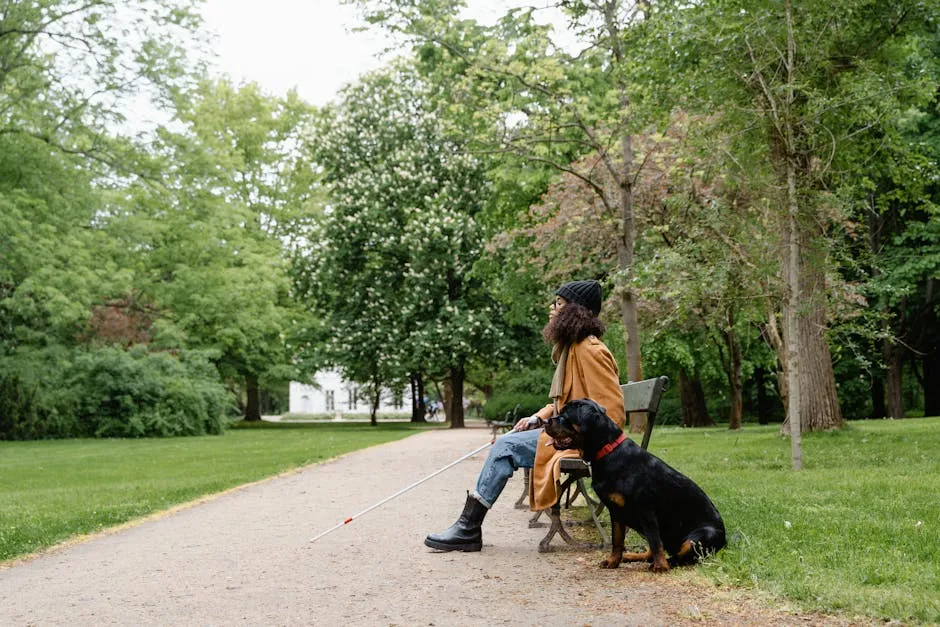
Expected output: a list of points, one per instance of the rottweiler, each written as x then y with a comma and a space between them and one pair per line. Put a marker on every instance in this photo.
640, 490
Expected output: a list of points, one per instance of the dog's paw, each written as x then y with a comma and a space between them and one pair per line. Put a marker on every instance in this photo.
610, 563
659, 567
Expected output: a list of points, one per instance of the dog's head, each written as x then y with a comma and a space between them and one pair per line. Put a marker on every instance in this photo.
581, 425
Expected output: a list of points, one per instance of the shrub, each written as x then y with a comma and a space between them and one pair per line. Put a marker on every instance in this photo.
528, 390
135, 393
110, 392
19, 411
26, 413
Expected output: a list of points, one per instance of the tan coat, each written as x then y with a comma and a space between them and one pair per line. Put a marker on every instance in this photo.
591, 372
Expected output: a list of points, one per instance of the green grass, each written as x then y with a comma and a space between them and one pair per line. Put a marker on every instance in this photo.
857, 530
55, 489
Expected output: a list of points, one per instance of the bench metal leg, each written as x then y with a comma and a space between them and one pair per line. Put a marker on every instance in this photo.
596, 509
556, 528
562, 491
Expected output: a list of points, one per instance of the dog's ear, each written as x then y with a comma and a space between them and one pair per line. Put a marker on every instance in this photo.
589, 413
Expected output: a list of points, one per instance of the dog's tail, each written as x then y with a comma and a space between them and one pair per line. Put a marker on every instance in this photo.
702, 542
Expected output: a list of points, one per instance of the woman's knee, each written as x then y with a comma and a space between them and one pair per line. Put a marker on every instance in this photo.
516, 448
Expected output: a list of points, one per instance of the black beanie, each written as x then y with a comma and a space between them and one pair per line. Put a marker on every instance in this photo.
585, 293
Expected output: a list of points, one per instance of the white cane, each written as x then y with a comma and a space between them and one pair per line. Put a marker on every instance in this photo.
402, 491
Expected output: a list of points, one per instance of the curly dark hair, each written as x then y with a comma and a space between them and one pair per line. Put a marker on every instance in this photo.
571, 324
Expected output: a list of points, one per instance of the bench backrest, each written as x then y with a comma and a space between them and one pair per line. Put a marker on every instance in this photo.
644, 396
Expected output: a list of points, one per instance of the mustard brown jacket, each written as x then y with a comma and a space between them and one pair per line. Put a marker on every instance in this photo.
591, 372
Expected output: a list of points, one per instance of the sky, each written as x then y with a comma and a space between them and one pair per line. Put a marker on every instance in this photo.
307, 44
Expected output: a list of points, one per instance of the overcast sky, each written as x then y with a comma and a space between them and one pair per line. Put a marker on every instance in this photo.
308, 44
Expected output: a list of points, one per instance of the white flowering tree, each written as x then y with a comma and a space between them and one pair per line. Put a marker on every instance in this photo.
388, 270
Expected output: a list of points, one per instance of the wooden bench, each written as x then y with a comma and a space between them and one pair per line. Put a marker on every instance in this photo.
640, 396
504, 424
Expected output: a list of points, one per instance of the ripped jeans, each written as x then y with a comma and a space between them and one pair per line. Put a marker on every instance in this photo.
510, 452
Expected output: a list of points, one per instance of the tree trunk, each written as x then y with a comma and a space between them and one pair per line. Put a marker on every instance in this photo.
736, 415
813, 403
374, 401
253, 401
628, 309
692, 397
809, 359
418, 408
931, 383
878, 409
454, 400
626, 241
791, 257
894, 367
763, 403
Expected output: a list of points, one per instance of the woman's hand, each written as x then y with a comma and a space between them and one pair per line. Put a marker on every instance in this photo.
524, 424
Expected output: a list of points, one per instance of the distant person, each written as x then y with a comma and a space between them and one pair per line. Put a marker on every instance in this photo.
584, 368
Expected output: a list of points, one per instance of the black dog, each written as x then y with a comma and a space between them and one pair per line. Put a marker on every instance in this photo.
640, 490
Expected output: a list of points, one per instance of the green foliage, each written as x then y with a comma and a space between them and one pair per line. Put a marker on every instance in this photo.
68, 68
388, 271
519, 393
19, 411
116, 393
110, 392
53, 490
49, 272
425, 210
208, 254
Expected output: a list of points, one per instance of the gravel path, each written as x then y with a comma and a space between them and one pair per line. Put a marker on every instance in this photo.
245, 558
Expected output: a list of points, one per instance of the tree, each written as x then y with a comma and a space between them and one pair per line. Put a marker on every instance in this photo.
899, 203
389, 270
207, 245
67, 70
548, 106
808, 81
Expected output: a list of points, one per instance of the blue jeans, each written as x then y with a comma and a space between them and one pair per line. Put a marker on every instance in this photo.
510, 452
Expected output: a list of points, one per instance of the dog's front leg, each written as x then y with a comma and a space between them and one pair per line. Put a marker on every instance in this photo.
649, 529
660, 563
617, 533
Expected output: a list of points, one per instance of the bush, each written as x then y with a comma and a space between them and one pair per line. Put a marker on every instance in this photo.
110, 392
26, 413
19, 412
670, 409
117, 393
528, 390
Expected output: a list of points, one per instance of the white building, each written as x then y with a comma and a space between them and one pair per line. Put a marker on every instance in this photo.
332, 394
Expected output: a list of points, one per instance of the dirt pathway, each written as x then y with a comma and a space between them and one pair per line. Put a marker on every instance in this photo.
245, 557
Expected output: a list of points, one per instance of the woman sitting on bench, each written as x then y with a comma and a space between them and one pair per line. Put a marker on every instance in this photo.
584, 368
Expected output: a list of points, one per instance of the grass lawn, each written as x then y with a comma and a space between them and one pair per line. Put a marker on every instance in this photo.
858, 529
52, 490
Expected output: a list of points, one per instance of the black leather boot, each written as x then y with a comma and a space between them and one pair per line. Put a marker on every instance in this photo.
465, 534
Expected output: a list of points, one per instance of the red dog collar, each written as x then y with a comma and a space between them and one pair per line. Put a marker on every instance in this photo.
610, 447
